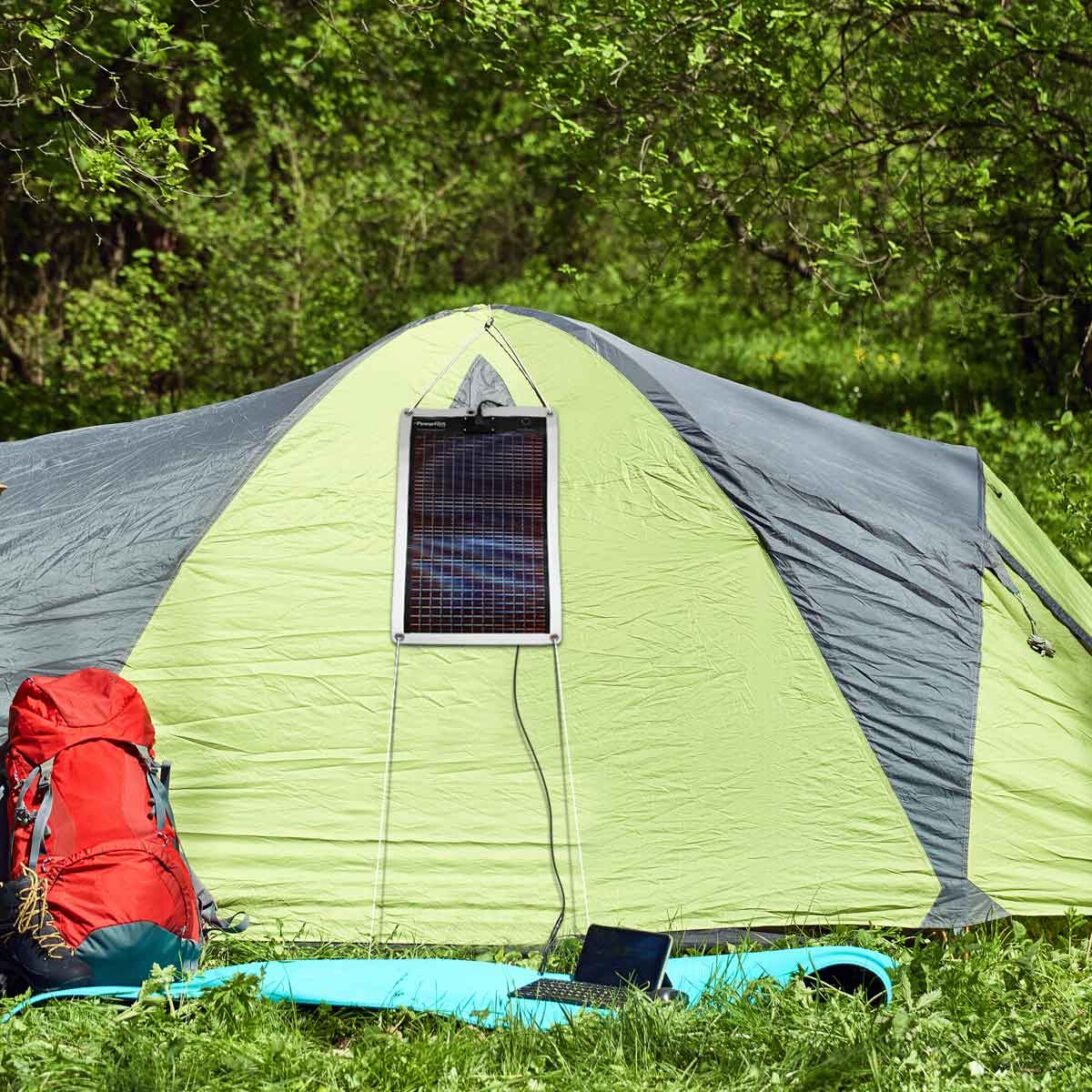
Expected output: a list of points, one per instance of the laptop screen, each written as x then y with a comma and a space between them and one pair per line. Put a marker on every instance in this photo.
621, 957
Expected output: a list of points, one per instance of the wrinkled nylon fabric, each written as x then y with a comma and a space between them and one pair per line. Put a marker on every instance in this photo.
719, 774
879, 537
96, 522
270, 668
1031, 821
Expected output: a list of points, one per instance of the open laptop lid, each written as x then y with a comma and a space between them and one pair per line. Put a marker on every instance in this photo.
623, 957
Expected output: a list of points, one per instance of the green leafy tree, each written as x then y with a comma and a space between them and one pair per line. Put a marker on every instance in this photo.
873, 152
257, 188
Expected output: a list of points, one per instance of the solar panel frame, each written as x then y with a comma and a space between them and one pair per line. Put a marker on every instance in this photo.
400, 631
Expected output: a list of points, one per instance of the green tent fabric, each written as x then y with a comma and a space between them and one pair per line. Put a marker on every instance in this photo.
795, 668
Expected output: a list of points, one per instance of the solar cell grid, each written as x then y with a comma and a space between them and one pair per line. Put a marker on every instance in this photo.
476, 534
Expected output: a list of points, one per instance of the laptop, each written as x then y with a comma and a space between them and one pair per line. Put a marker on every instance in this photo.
612, 963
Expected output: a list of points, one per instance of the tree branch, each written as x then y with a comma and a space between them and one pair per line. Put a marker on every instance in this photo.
790, 257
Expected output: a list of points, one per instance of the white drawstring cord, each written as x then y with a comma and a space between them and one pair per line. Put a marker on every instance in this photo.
567, 759
447, 367
385, 800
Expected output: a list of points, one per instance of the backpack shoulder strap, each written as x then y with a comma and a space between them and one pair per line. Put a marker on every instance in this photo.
42, 777
158, 782
45, 809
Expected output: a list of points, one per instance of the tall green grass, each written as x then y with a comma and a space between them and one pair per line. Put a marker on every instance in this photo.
995, 1007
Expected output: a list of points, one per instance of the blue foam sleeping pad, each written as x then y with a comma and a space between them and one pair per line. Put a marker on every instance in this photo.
477, 992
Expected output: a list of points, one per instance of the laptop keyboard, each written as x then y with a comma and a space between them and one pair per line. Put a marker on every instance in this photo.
588, 994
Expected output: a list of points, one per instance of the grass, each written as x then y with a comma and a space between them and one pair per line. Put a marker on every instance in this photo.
999, 1006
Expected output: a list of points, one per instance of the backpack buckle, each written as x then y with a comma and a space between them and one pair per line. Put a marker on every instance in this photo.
23, 817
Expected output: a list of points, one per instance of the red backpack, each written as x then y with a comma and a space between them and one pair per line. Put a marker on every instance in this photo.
88, 812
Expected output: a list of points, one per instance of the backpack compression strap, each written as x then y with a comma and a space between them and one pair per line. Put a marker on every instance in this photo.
43, 776
210, 912
206, 904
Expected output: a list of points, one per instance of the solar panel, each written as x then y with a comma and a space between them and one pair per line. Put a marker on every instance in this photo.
475, 556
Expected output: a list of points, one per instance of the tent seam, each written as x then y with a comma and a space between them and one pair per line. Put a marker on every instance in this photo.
1056, 610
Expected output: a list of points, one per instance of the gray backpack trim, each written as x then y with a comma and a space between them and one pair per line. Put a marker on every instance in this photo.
158, 782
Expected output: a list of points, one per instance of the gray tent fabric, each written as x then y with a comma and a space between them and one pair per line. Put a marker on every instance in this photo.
135, 498
481, 384
97, 521
880, 538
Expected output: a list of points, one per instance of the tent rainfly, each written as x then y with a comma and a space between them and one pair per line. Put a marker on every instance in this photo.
777, 666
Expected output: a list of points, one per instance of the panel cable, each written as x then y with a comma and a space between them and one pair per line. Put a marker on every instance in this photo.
552, 939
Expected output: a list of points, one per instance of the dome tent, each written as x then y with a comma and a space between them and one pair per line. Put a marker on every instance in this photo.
797, 678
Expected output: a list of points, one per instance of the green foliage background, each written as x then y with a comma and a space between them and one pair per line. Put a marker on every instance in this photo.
880, 208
